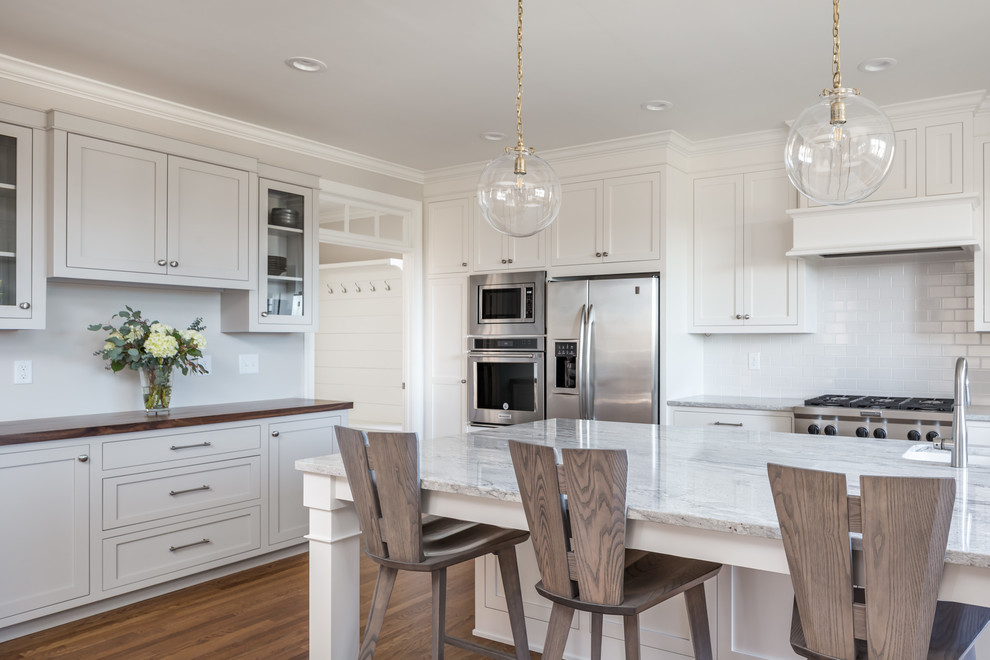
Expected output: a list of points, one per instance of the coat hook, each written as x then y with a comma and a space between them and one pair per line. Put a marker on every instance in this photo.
329, 289
357, 287
343, 289
387, 287
371, 285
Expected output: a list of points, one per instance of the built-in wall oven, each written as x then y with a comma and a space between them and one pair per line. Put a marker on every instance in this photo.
507, 304
505, 380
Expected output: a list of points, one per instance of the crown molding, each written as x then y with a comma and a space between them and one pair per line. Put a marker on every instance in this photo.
965, 102
44, 77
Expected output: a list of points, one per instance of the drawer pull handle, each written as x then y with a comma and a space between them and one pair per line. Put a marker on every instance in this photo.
728, 423
198, 444
175, 548
189, 490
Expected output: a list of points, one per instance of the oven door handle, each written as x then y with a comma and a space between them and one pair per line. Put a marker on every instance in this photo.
582, 405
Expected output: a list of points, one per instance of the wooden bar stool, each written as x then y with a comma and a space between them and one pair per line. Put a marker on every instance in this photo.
580, 549
895, 614
383, 475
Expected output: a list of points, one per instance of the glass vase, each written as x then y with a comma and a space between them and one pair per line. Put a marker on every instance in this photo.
156, 388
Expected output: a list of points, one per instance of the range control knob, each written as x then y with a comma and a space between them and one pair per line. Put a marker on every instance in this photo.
814, 429
932, 436
914, 435
862, 432
831, 430
880, 433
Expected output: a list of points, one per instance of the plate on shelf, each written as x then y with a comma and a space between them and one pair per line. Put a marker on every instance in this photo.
281, 217
276, 265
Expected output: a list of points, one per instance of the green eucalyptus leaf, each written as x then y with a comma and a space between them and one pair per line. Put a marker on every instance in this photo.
116, 366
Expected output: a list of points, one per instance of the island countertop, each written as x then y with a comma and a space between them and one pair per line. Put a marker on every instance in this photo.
79, 426
704, 478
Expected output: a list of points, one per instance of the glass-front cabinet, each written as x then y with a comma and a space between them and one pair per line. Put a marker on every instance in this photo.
284, 281
21, 288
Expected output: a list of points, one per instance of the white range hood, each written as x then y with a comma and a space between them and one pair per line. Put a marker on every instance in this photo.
925, 224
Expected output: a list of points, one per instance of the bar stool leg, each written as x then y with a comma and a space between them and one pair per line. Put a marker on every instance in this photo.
557, 629
697, 611
630, 630
438, 625
376, 615
513, 600
596, 636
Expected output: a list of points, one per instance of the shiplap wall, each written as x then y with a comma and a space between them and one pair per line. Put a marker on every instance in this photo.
359, 345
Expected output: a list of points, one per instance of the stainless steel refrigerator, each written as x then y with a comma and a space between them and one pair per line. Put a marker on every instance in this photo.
603, 349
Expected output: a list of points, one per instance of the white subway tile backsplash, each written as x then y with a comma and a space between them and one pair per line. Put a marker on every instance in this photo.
885, 326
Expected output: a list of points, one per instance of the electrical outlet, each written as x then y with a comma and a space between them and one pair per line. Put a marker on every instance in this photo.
754, 361
207, 362
249, 363
22, 372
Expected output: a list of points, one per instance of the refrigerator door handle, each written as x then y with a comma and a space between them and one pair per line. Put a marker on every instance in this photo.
588, 364
581, 381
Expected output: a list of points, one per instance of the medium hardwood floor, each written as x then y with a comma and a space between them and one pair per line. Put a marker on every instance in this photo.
261, 613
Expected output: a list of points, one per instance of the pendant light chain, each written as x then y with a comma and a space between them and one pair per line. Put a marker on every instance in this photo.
836, 73
519, 88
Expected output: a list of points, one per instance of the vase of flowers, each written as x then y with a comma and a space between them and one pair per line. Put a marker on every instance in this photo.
153, 349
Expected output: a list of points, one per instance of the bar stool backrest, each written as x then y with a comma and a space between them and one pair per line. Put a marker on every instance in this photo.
576, 512
383, 474
905, 526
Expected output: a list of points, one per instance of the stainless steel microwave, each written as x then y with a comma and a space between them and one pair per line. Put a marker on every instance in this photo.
507, 303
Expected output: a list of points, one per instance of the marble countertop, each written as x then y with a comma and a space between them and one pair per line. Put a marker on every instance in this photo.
706, 478
974, 413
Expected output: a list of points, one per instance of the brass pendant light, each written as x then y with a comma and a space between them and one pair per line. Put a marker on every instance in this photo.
840, 148
518, 192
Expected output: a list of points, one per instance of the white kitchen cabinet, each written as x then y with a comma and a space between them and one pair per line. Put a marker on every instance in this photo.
746, 420
290, 440
133, 213
981, 290
46, 521
609, 221
495, 251
448, 235
743, 282
22, 218
446, 355
287, 259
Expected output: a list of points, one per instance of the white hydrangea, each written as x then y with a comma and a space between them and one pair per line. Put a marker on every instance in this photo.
160, 328
161, 345
135, 333
195, 337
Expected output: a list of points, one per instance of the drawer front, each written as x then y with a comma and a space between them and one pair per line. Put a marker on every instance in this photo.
183, 548
755, 421
147, 450
138, 498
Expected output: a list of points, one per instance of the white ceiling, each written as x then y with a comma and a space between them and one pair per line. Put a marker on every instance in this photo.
417, 83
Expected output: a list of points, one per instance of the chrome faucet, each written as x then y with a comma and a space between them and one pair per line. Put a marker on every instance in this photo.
959, 445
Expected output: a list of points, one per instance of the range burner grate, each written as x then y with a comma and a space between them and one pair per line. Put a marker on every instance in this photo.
833, 400
928, 404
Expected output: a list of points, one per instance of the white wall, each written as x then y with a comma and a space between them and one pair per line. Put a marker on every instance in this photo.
886, 325
70, 380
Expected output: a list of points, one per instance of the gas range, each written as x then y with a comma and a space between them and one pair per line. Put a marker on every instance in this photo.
901, 418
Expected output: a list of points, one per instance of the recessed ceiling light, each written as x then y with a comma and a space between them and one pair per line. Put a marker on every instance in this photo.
493, 136
877, 64
306, 64
657, 106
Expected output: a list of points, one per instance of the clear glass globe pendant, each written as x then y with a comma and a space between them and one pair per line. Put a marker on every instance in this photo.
519, 193
840, 148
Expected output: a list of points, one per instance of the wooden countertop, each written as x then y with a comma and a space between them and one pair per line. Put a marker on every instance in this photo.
79, 426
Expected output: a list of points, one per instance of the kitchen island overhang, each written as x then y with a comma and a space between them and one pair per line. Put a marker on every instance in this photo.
694, 492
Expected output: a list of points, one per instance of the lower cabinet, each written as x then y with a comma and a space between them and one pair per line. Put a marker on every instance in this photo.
103, 516
747, 420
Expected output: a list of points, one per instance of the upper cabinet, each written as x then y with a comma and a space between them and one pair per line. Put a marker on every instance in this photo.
494, 250
743, 282
22, 279
608, 221
126, 210
288, 256
448, 235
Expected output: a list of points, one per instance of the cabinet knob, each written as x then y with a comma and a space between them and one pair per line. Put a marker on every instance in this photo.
463, 264
504, 261
274, 434
162, 262
82, 458
25, 305
739, 317
510, 261
745, 317
463, 380
173, 264
598, 254
264, 314
604, 254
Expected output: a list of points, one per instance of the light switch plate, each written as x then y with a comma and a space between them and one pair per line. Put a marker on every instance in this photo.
248, 363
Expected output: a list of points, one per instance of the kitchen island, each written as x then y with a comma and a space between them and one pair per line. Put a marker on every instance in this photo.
695, 492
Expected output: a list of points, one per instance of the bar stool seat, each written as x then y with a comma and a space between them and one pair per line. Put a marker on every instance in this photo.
383, 474
895, 613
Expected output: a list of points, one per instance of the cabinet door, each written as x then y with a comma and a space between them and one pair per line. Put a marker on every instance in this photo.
944, 159
288, 519
529, 252
208, 220
902, 180
770, 279
489, 251
718, 247
448, 235
45, 522
752, 420
446, 356
632, 218
16, 226
576, 234
287, 271
115, 207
